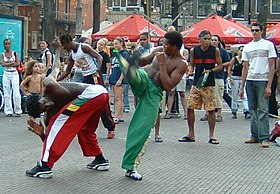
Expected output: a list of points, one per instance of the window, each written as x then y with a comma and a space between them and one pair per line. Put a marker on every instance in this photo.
189, 8
166, 9
131, 2
258, 5
67, 9
275, 6
116, 3
203, 8
239, 12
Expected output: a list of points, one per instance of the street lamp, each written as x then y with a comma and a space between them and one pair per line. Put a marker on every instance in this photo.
221, 6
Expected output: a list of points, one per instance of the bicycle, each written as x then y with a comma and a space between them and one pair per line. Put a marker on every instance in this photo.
1, 94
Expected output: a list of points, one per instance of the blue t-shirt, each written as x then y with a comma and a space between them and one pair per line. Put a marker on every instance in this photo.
225, 58
116, 71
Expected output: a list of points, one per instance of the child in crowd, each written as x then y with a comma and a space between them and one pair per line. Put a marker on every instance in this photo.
32, 83
42, 70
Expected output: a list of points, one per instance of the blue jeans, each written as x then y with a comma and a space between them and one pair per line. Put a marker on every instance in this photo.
258, 107
236, 86
125, 98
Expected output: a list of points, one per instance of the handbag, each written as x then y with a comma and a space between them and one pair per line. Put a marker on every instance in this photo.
20, 68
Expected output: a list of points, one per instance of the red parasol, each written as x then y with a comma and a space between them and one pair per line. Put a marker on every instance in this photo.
130, 28
228, 31
273, 34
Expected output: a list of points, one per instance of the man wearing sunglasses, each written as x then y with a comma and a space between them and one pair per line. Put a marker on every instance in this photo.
258, 71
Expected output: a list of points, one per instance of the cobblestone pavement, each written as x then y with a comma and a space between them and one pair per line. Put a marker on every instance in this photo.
168, 167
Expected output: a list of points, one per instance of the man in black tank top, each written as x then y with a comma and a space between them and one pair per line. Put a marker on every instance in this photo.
203, 58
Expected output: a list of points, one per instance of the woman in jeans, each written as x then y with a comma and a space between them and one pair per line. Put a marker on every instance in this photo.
117, 79
234, 74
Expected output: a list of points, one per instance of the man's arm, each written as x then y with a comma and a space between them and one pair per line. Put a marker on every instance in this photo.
56, 66
271, 75
191, 62
67, 70
244, 76
146, 60
87, 49
169, 82
38, 129
49, 59
218, 58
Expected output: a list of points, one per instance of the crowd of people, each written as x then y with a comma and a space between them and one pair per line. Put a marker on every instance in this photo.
77, 94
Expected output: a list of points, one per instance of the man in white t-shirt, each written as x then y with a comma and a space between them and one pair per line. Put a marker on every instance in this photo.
258, 71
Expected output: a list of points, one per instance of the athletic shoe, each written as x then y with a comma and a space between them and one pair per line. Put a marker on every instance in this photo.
99, 165
247, 115
133, 174
40, 171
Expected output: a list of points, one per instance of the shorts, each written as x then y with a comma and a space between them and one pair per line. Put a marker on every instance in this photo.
204, 95
219, 91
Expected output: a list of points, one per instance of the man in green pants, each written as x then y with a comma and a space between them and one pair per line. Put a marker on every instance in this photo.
163, 70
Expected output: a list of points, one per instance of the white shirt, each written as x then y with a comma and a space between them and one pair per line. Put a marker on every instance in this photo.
9, 60
257, 54
87, 62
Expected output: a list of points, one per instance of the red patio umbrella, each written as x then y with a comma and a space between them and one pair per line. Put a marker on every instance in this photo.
130, 28
228, 31
239, 24
273, 34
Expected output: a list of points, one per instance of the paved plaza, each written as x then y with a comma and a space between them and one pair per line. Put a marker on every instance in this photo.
168, 167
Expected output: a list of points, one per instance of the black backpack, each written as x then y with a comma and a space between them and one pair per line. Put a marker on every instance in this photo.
45, 54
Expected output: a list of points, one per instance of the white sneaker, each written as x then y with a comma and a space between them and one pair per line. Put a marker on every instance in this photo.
133, 174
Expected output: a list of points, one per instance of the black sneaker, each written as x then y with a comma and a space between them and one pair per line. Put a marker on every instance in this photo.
39, 171
99, 165
247, 115
234, 116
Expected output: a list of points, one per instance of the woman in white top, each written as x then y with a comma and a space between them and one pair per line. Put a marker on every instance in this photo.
11, 80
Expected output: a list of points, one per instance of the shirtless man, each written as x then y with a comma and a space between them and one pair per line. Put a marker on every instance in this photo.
70, 109
167, 66
85, 56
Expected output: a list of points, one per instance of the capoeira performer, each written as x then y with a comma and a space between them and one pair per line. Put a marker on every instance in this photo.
167, 66
70, 109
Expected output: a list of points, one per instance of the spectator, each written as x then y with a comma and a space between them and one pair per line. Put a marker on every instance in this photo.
117, 79
234, 74
46, 56
258, 71
204, 59
11, 81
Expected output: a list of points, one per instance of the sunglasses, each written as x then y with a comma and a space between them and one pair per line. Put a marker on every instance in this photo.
255, 30
143, 39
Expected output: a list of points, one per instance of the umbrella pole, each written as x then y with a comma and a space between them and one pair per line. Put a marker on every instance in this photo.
148, 15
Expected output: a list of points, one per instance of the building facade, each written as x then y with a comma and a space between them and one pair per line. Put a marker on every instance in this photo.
45, 19
189, 12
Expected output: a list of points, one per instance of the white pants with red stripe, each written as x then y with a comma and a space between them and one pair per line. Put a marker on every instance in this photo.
80, 117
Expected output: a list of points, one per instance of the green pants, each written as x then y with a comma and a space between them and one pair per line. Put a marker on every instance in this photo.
144, 117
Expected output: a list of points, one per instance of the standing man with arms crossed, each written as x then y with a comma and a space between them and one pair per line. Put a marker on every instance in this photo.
203, 58
258, 71
167, 66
